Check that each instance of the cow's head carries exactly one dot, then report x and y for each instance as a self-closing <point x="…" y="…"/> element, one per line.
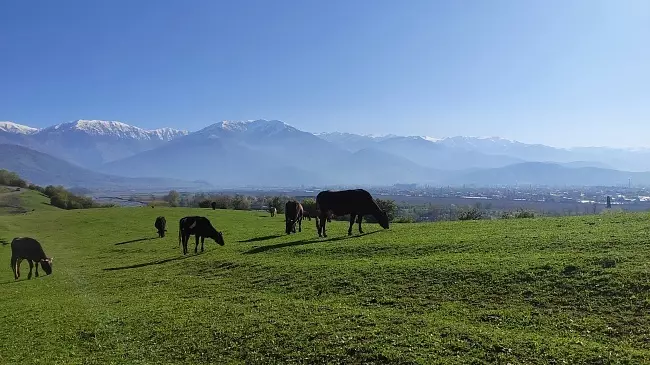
<point x="289" y="224"/>
<point x="46" y="264"/>
<point x="218" y="238"/>
<point x="383" y="220"/>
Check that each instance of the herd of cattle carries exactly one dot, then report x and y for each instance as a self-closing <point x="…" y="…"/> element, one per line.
<point x="355" y="202"/>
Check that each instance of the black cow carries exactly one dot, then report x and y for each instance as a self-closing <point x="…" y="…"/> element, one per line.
<point x="292" y="215"/>
<point x="213" y="205"/>
<point x="200" y="227"/>
<point x="25" y="248"/>
<point x="355" y="202"/>
<point x="161" y="225"/>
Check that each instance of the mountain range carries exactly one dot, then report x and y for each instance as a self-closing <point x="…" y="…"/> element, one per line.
<point x="268" y="153"/>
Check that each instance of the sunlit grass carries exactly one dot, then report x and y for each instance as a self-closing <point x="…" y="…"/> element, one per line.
<point x="519" y="291"/>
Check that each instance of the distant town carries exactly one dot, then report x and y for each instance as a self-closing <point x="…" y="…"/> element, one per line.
<point x="418" y="199"/>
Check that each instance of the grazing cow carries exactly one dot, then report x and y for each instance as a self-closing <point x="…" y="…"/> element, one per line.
<point x="273" y="211"/>
<point x="356" y="202"/>
<point x="25" y="248"/>
<point x="293" y="214"/>
<point x="200" y="227"/>
<point x="213" y="205"/>
<point x="161" y="225"/>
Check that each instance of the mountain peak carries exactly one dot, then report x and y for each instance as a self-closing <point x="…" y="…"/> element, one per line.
<point x="249" y="126"/>
<point x="11" y="127"/>
<point x="115" y="129"/>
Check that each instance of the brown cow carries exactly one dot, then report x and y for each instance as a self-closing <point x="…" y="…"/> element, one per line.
<point x="356" y="203"/>
<point x="293" y="214"/>
<point x="26" y="248"/>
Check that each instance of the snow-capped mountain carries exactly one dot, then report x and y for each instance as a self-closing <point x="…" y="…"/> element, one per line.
<point x="88" y="143"/>
<point x="113" y="129"/>
<point x="10" y="127"/>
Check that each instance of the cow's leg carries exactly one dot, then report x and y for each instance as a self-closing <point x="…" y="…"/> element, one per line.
<point x="31" y="267"/>
<point x="352" y="216"/>
<point x="359" y="219"/>
<point x="300" y="225"/>
<point x="202" y="240"/>
<point x="15" y="264"/>
<point x="186" y="238"/>
<point x="196" y="246"/>
<point x="322" y="225"/>
<point x="37" y="263"/>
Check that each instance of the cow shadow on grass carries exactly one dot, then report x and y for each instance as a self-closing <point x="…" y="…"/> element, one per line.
<point x="263" y="238"/>
<point x="157" y="262"/>
<point x="136" y="240"/>
<point x="304" y="242"/>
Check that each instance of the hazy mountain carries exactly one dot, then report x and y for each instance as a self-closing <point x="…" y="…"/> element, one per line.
<point x="539" y="173"/>
<point x="43" y="169"/>
<point x="372" y="166"/>
<point x="261" y="152"/>
<point x="88" y="143"/>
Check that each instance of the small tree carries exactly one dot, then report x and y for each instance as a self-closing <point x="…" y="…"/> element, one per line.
<point x="278" y="202"/>
<point x="173" y="198"/>
<point x="241" y="202"/>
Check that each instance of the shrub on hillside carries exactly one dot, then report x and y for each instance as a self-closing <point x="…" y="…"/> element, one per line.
<point x="11" y="179"/>
<point x="278" y="202"/>
<point x="470" y="214"/>
<point x="241" y="202"/>
<point x="205" y="203"/>
<point x="222" y="201"/>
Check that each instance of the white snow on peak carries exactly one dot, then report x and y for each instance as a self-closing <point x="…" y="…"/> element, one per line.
<point x="250" y="126"/>
<point x="16" y="128"/>
<point x="116" y="129"/>
<point x="431" y="139"/>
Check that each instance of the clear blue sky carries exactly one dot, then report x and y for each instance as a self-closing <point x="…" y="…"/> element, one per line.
<point x="561" y="72"/>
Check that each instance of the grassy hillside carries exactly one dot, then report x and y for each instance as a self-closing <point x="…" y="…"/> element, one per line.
<point x="25" y="200"/>
<point x="571" y="290"/>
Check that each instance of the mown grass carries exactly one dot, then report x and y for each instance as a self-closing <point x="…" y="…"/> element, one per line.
<point x="23" y="201"/>
<point x="549" y="291"/>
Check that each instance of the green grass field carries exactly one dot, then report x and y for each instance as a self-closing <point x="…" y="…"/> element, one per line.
<point x="534" y="291"/>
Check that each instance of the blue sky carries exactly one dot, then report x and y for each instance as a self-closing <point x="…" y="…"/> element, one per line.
<point x="558" y="72"/>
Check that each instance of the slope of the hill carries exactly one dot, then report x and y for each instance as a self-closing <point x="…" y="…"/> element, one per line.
<point x="553" y="291"/>
<point x="17" y="201"/>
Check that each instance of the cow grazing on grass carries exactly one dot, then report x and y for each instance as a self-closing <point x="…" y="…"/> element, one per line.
<point x="200" y="227"/>
<point x="213" y="205"/>
<point x="356" y="203"/>
<point x="293" y="214"/>
<point x="273" y="211"/>
<point x="25" y="248"/>
<point x="161" y="225"/>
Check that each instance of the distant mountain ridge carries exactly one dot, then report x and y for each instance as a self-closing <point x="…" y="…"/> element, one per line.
<point x="88" y="143"/>
<point x="273" y="153"/>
